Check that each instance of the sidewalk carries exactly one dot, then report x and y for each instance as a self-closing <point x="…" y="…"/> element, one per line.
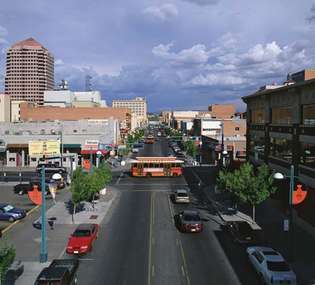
<point x="26" y="239"/>
<point x="270" y="217"/>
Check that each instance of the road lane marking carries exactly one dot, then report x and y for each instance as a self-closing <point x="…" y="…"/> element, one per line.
<point x="17" y="221"/>
<point x="171" y="210"/>
<point x="153" y="270"/>
<point x="184" y="261"/>
<point x="183" y="270"/>
<point x="120" y="176"/>
<point x="150" y="242"/>
<point x="32" y="210"/>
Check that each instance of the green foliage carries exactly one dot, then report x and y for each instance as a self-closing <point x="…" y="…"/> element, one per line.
<point x="190" y="148"/>
<point x="7" y="255"/>
<point x="84" y="185"/>
<point x="246" y="185"/>
<point x="135" y="136"/>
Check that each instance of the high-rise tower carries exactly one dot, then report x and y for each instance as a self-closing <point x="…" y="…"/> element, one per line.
<point x="29" y="71"/>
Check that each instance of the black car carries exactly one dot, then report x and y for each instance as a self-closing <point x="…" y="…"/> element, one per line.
<point x="243" y="232"/>
<point x="24" y="188"/>
<point x="189" y="222"/>
<point x="60" y="271"/>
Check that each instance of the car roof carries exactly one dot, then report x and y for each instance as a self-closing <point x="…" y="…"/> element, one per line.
<point x="269" y="253"/>
<point x="181" y="191"/>
<point x="51" y="274"/>
<point x="190" y="212"/>
<point x="85" y="227"/>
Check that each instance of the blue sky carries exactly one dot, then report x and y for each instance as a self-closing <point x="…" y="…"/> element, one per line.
<point x="180" y="54"/>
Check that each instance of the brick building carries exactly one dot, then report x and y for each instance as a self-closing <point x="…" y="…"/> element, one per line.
<point x="30" y="112"/>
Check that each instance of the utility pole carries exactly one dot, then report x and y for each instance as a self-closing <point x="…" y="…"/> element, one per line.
<point x="61" y="143"/>
<point x="43" y="246"/>
<point x="222" y="143"/>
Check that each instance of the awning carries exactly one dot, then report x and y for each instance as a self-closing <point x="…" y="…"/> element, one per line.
<point x="94" y="151"/>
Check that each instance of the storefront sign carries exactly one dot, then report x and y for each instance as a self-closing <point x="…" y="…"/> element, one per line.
<point x="40" y="148"/>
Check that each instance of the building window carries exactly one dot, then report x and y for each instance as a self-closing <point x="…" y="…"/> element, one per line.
<point x="308" y="114"/>
<point x="281" y="115"/>
<point x="281" y="148"/>
<point x="237" y="128"/>
<point x="257" y="116"/>
<point x="308" y="155"/>
<point x="257" y="144"/>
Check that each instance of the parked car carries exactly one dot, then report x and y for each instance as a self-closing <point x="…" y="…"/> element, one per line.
<point x="270" y="266"/>
<point x="242" y="232"/>
<point x="189" y="221"/>
<point x="81" y="241"/>
<point x="25" y="187"/>
<point x="10" y="213"/>
<point x="60" y="271"/>
<point x="135" y="150"/>
<point x="181" y="196"/>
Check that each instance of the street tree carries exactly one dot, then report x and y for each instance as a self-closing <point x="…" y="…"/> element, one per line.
<point x="190" y="148"/>
<point x="247" y="185"/>
<point x="85" y="185"/>
<point x="7" y="256"/>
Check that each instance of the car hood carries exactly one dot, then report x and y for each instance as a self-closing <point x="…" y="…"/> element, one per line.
<point x="79" y="241"/>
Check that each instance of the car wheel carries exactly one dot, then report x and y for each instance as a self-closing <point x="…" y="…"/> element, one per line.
<point x="11" y="219"/>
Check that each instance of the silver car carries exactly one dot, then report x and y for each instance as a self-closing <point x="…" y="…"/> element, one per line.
<point x="182" y="196"/>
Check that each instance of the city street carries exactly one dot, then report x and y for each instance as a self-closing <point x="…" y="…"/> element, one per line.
<point x="139" y="243"/>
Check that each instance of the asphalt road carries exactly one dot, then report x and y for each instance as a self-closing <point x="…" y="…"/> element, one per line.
<point x="139" y="243"/>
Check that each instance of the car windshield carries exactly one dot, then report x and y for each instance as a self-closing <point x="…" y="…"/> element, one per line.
<point x="8" y="208"/>
<point x="82" y="233"/>
<point x="191" y="218"/>
<point x="277" y="266"/>
<point x="244" y="227"/>
<point x="182" y="194"/>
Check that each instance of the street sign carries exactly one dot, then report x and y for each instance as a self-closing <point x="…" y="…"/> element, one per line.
<point x="286" y="225"/>
<point x="91" y="145"/>
<point x="47" y="147"/>
<point x="299" y="195"/>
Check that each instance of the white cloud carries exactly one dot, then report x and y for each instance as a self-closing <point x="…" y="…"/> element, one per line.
<point x="213" y="79"/>
<point x="163" y="13"/>
<point x="59" y="61"/>
<point x="203" y="2"/>
<point x="261" y="53"/>
<point x="197" y="54"/>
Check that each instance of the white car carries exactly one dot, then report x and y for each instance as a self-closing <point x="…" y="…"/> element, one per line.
<point x="135" y="150"/>
<point x="182" y="196"/>
<point x="270" y="266"/>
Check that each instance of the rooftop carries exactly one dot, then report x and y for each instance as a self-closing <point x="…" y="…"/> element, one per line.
<point x="28" y="43"/>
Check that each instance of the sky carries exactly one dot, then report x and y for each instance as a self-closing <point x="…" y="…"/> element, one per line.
<point x="179" y="54"/>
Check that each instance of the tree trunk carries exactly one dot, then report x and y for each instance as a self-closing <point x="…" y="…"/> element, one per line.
<point x="73" y="212"/>
<point x="254" y="214"/>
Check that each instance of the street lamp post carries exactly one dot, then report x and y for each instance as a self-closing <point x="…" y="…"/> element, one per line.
<point x="280" y="176"/>
<point x="43" y="246"/>
<point x="222" y="143"/>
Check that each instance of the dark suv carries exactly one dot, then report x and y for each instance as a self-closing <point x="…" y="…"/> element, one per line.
<point x="59" y="272"/>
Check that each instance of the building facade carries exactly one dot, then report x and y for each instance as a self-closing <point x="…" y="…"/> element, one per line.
<point x="30" y="112"/>
<point x="222" y="111"/>
<point x="67" y="98"/>
<point x="138" y="107"/>
<point x="73" y="135"/>
<point x="5" y="109"/>
<point x="281" y="133"/>
<point x="232" y="131"/>
<point x="29" y="71"/>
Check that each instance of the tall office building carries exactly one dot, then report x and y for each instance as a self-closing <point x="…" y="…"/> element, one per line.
<point x="29" y="71"/>
<point x="138" y="106"/>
